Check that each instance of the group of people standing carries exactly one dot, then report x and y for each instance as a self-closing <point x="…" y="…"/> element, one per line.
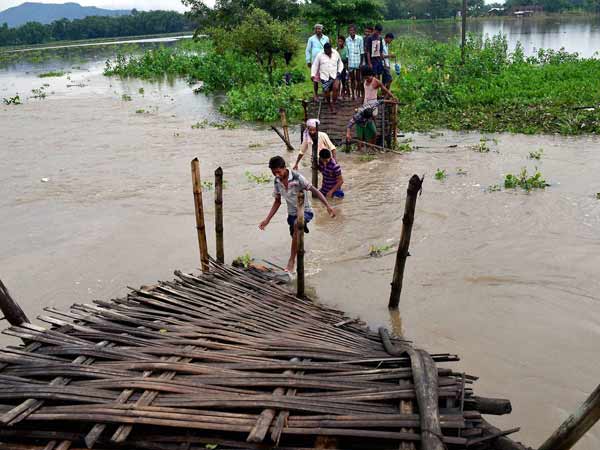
<point x="343" y="71"/>
<point x="358" y="68"/>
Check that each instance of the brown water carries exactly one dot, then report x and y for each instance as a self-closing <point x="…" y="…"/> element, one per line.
<point x="507" y="280"/>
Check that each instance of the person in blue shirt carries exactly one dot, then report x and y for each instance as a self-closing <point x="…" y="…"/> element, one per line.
<point x="314" y="46"/>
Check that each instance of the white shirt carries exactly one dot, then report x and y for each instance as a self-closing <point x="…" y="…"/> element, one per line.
<point x="327" y="67"/>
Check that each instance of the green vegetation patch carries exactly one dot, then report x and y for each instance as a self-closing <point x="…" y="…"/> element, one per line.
<point x="536" y="154"/>
<point x="377" y="251"/>
<point x="525" y="181"/>
<point x="16" y="100"/>
<point x="242" y="261"/>
<point x="258" y="179"/>
<point x="56" y="73"/>
<point x="495" y="90"/>
<point x="440" y="174"/>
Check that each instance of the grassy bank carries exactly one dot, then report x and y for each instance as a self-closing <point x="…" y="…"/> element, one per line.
<point x="493" y="90"/>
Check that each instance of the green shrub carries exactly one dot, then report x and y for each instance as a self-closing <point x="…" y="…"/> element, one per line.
<point x="495" y="90"/>
<point x="261" y="102"/>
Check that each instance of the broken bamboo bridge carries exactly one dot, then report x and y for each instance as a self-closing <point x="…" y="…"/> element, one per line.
<point x="231" y="359"/>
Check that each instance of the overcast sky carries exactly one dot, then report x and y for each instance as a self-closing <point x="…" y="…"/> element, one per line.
<point x="110" y="4"/>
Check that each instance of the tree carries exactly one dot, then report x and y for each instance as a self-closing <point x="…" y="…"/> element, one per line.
<point x="260" y="36"/>
<point x="337" y="14"/>
<point x="230" y="13"/>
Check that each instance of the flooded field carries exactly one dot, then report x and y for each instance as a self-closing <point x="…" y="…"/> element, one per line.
<point x="95" y="195"/>
<point x="579" y="34"/>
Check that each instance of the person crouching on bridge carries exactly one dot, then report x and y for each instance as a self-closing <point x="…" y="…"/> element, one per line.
<point x="366" y="131"/>
<point x="327" y="67"/>
<point x="332" y="175"/>
<point x="309" y="136"/>
<point x="288" y="184"/>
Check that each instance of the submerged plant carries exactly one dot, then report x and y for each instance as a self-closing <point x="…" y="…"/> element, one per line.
<point x="494" y="188"/>
<point x="404" y="146"/>
<point x="200" y="125"/>
<point x="461" y="171"/>
<point x="366" y="158"/>
<point x="16" y="100"/>
<point x="483" y="146"/>
<point x="440" y="174"/>
<point x="141" y="91"/>
<point x="56" y="73"/>
<point x="259" y="179"/>
<point x="377" y="251"/>
<point x="536" y="154"/>
<point x="597" y="195"/>
<point x="38" y="93"/>
<point x="226" y="125"/>
<point x="207" y="185"/>
<point x="140" y="111"/>
<point x="126" y="97"/>
<point x="243" y="261"/>
<point x="524" y="181"/>
<point x="255" y="145"/>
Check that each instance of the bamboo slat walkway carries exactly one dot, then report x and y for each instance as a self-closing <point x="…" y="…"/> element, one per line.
<point x="227" y="358"/>
<point x="335" y="124"/>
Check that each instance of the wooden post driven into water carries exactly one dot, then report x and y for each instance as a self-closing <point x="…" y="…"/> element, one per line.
<point x="576" y="425"/>
<point x="394" y="125"/>
<point x="284" y="125"/>
<point x="463" y="31"/>
<point x="300" y="245"/>
<point x="11" y="310"/>
<point x="199" y="208"/>
<point x="219" y="215"/>
<point x="315" y="161"/>
<point x="414" y="186"/>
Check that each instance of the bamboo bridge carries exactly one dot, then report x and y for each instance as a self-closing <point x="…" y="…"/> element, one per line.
<point x="232" y="359"/>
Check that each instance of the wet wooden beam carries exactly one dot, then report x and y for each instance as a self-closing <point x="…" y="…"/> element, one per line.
<point x="576" y="425"/>
<point x="11" y="310"/>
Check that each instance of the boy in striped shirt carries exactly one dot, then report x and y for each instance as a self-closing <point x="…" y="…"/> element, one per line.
<point x="332" y="175"/>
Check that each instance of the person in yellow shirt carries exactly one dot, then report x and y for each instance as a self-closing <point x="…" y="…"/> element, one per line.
<point x="310" y="133"/>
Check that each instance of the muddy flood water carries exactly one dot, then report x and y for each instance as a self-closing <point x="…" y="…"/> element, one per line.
<point x="95" y="196"/>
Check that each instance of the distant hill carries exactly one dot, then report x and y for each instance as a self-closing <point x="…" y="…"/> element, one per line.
<point x="46" y="13"/>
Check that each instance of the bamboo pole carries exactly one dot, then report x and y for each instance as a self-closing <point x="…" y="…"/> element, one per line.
<point x="576" y="425"/>
<point x="315" y="161"/>
<point x="383" y="125"/>
<point x="463" y="36"/>
<point x="11" y="310"/>
<point x="199" y="209"/>
<point x="287" y="143"/>
<point x="300" y="245"/>
<point x="394" y="125"/>
<point x="284" y="125"/>
<point x="414" y="186"/>
<point x="219" y="215"/>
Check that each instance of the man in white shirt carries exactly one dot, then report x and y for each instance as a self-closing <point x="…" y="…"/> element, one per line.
<point x="327" y="68"/>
